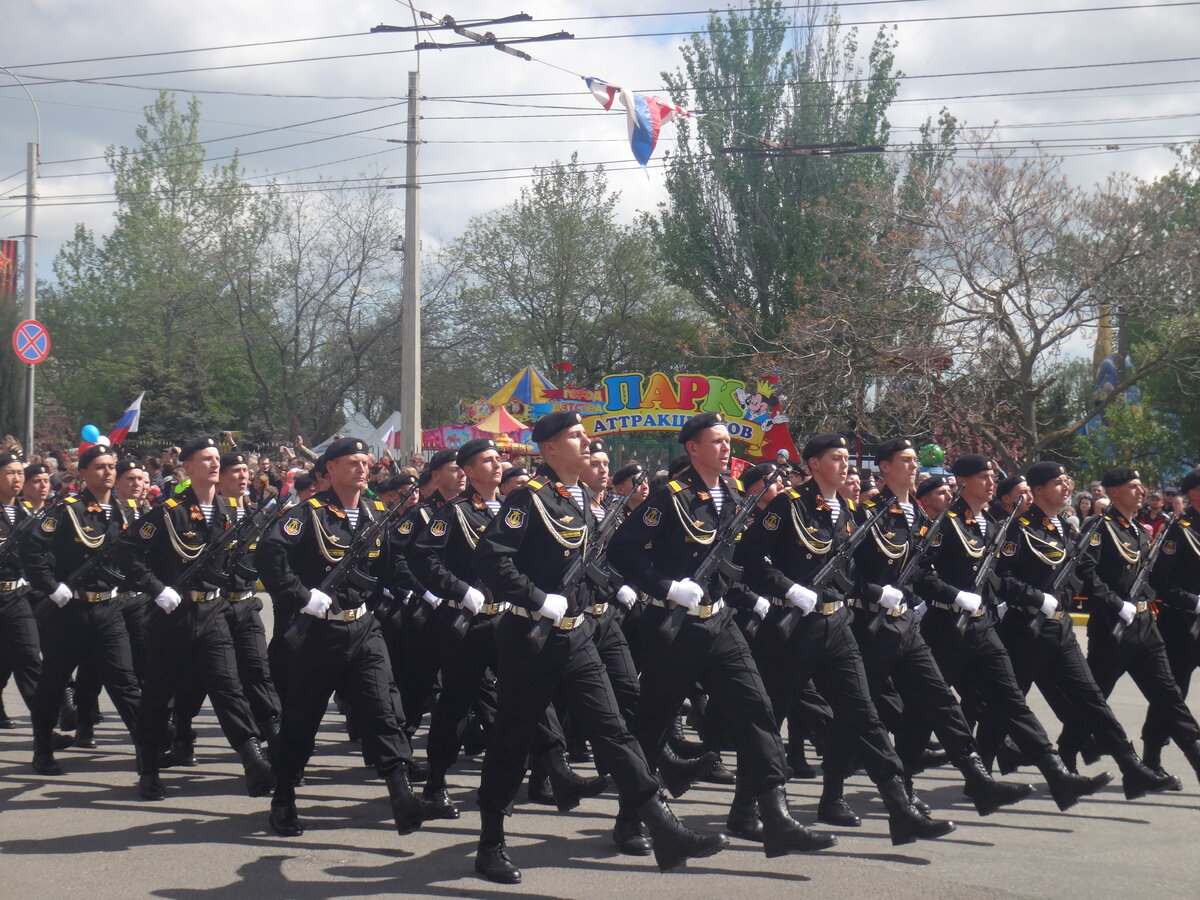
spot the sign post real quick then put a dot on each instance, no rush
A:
(31, 343)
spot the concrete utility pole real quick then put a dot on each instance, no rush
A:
(410, 321)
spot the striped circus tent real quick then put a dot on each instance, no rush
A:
(529, 386)
(500, 422)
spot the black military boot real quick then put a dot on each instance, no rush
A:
(284, 820)
(260, 780)
(182, 751)
(538, 789)
(833, 808)
(68, 717)
(905, 822)
(5, 721)
(85, 734)
(743, 818)
(491, 858)
(781, 833)
(678, 775)
(409, 810)
(1191, 752)
(435, 792)
(1009, 756)
(1153, 761)
(797, 760)
(1066, 787)
(568, 787)
(914, 798)
(630, 835)
(674, 844)
(1136, 779)
(680, 745)
(44, 763)
(720, 774)
(987, 794)
(150, 787)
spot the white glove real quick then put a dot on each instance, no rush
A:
(1128, 611)
(626, 596)
(1049, 604)
(1001, 609)
(968, 602)
(168, 599)
(685, 593)
(804, 599)
(890, 597)
(61, 595)
(433, 599)
(762, 606)
(919, 610)
(473, 600)
(318, 603)
(554, 608)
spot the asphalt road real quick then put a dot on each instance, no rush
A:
(87, 835)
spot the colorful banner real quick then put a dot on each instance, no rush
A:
(451, 437)
(8, 268)
(657, 402)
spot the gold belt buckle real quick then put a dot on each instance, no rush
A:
(1142, 606)
(979, 612)
(828, 609)
(570, 623)
(898, 611)
(598, 609)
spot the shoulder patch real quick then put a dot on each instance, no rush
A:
(737, 484)
(132, 504)
(379, 506)
(515, 518)
(1010, 548)
(231, 502)
(1169, 548)
(146, 531)
(937, 540)
(49, 524)
(1095, 540)
(771, 522)
(868, 504)
(292, 526)
(952, 514)
(676, 486)
(70, 499)
(1023, 520)
(793, 493)
(535, 484)
(171, 503)
(652, 516)
(438, 528)
(314, 502)
(406, 526)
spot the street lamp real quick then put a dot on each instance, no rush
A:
(31, 167)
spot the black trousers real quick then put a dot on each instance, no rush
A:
(20, 648)
(278, 650)
(976, 664)
(631, 627)
(88, 681)
(1142, 654)
(1052, 659)
(897, 651)
(465, 662)
(350, 658)
(253, 668)
(824, 651)
(567, 668)
(416, 660)
(614, 652)
(192, 643)
(1183, 656)
(83, 633)
(714, 653)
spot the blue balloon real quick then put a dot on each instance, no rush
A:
(90, 433)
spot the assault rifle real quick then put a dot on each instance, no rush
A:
(1141, 584)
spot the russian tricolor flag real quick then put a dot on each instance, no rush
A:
(129, 421)
(645, 115)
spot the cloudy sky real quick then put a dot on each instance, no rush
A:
(313, 95)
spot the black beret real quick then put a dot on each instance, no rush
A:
(346, 446)
(439, 459)
(303, 481)
(1043, 472)
(1118, 476)
(424, 478)
(548, 426)
(1190, 480)
(597, 446)
(819, 443)
(470, 448)
(34, 469)
(696, 424)
(626, 472)
(678, 464)
(194, 446)
(756, 473)
(232, 458)
(128, 464)
(319, 466)
(931, 484)
(970, 464)
(7, 458)
(888, 449)
(92, 452)
(402, 480)
(514, 472)
(1007, 483)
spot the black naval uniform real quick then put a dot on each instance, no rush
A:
(20, 649)
(1043, 649)
(89, 628)
(975, 660)
(1116, 552)
(785, 545)
(342, 651)
(193, 640)
(663, 542)
(1176, 579)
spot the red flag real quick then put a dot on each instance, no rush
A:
(8, 268)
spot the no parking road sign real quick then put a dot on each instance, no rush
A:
(31, 342)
